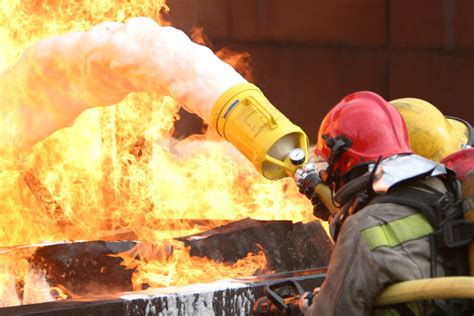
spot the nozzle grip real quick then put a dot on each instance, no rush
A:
(271, 292)
(324, 194)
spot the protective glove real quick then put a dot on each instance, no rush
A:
(307, 178)
(307, 299)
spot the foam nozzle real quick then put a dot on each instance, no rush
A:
(274, 145)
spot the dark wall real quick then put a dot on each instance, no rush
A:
(308, 54)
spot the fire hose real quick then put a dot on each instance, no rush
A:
(427, 289)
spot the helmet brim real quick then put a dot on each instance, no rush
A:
(462, 132)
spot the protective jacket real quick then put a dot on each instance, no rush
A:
(379, 245)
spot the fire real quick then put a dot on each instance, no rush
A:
(161, 268)
(118, 168)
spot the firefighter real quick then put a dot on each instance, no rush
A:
(431, 134)
(393, 205)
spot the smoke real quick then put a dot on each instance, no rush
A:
(58, 78)
(238, 60)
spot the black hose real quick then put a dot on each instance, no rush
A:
(352, 187)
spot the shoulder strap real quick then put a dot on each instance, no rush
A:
(442, 210)
(451, 233)
(421, 197)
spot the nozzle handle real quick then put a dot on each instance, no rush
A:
(271, 292)
(266, 114)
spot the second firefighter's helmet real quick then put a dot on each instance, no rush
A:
(432, 135)
(359, 130)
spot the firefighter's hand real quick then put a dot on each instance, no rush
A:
(295, 306)
(305, 300)
(307, 178)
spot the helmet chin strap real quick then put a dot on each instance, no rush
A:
(338, 145)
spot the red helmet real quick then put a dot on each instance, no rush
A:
(359, 129)
(461, 161)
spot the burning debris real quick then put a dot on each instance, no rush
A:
(287, 246)
(85, 268)
(96, 268)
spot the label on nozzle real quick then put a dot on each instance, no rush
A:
(297, 156)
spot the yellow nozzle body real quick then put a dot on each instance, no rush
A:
(245, 117)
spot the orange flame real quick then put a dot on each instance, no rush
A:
(117, 170)
(162, 266)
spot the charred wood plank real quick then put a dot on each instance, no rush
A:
(85, 267)
(287, 246)
(309, 246)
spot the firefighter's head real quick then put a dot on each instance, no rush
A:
(432, 135)
(359, 130)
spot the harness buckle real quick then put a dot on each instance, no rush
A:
(443, 203)
(456, 233)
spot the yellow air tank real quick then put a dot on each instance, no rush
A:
(274, 145)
